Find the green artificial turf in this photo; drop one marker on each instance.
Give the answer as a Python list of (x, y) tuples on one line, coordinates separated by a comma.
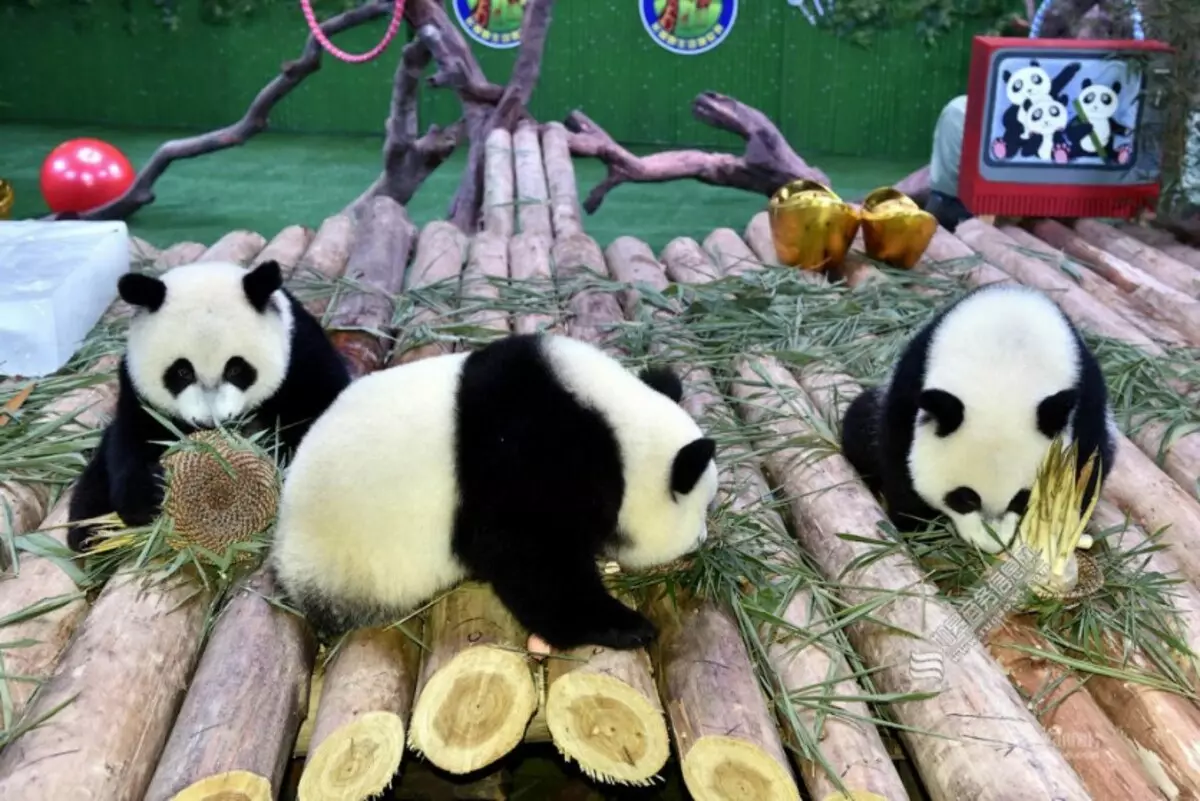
[(276, 180)]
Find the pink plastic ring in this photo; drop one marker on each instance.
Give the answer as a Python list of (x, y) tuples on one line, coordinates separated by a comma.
[(352, 58)]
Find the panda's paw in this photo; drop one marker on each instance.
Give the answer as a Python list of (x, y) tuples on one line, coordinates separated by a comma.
[(999, 149), (635, 632), (1123, 154), (1061, 154)]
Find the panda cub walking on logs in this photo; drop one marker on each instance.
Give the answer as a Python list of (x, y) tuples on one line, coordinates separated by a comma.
[(970, 410), (520, 465), (207, 343)]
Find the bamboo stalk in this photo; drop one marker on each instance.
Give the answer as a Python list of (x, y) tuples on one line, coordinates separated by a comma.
[(358, 736), (602, 708), (441, 249), (727, 743), (109, 705), (498, 183), (475, 692), (1103, 758), (1170, 271), (1144, 292), (1097, 287), (533, 210), (287, 248), (236, 246), (529, 261), (247, 699), (848, 744), (383, 238), (560, 178), (974, 739)]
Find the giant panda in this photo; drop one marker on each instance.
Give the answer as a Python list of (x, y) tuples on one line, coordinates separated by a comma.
[(520, 464), (970, 410), (1030, 83), (208, 342)]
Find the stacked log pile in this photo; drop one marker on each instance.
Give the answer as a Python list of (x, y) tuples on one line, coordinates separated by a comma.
[(216, 714)]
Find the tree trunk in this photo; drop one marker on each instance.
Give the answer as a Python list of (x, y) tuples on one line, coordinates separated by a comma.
[(498, 197), (287, 248), (110, 703), (560, 180), (533, 193), (246, 702), (1174, 274), (383, 238), (325, 260), (441, 250), (359, 732), (476, 693), (529, 263)]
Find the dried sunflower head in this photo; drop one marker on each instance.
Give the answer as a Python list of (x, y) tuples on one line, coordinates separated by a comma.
[(221, 489)]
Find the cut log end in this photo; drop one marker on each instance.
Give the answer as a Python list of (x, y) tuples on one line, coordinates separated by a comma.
[(236, 785), (719, 768), (474, 709), (614, 732), (356, 761)]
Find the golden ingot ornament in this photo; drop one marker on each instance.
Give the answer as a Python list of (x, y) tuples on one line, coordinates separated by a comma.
[(7, 197), (812, 228), (896, 231)]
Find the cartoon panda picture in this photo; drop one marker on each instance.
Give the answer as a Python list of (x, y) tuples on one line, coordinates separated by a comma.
[(1092, 133), (1031, 83), (1044, 120)]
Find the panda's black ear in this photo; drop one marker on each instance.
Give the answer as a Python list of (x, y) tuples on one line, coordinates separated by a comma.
[(1116, 87), (1034, 63), (145, 291), (690, 463), (1054, 412), (1086, 83), (1007, 76), (944, 409), (260, 282), (1027, 104), (663, 380)]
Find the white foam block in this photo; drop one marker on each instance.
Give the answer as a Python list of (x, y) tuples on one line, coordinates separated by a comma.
[(56, 280)]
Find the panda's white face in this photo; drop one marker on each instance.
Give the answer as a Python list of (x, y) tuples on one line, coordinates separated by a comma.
[(656, 533), (1027, 83), (210, 341), (997, 387), (1045, 116), (1099, 101)]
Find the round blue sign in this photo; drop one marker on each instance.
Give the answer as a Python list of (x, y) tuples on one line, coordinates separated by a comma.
[(492, 23), (688, 27)]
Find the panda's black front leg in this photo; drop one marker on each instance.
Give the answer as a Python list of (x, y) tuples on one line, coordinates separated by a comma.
[(555, 592), (91, 497)]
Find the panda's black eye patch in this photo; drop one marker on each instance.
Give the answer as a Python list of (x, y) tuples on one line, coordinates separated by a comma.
[(1036, 80), (1017, 85), (239, 373), (1019, 502), (1106, 98), (179, 376), (963, 500), (1089, 98)]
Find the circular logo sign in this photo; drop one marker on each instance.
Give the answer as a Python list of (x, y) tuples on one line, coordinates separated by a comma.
[(492, 23), (688, 27)]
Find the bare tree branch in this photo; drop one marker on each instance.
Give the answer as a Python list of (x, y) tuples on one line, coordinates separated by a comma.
[(254, 121), (769, 162)]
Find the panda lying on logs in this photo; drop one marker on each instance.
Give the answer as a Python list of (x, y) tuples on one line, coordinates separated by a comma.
[(208, 342), (520, 464), (972, 406)]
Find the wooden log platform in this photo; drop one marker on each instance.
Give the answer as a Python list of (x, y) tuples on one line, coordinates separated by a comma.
[(215, 714)]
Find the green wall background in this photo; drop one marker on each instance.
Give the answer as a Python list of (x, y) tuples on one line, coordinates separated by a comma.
[(112, 62)]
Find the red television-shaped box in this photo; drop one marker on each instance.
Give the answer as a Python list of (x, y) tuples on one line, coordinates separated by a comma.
[(1063, 127)]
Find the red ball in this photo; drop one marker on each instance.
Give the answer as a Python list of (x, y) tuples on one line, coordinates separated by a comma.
[(82, 174)]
